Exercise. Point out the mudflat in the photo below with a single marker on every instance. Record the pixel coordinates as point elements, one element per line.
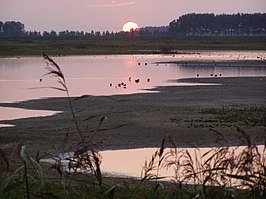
<point>191,115</point>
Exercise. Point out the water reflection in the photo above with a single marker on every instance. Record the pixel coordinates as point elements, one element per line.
<point>225,71</point>
<point>92,75</point>
<point>6,125</point>
<point>8,113</point>
<point>222,166</point>
<point>130,162</point>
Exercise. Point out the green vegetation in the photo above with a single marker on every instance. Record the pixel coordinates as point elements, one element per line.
<point>125,45</point>
<point>225,116</point>
<point>243,115</point>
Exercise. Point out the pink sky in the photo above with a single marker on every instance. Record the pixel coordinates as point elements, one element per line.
<point>110,15</point>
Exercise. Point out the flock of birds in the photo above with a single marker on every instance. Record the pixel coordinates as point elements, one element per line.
<point>124,85</point>
<point>220,75</point>
<point>261,58</point>
<point>213,75</point>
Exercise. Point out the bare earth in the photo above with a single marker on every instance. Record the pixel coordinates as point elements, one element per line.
<point>145,119</point>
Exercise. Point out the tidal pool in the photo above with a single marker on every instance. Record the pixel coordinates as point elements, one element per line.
<point>130,162</point>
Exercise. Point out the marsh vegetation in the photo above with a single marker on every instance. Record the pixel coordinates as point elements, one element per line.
<point>126,45</point>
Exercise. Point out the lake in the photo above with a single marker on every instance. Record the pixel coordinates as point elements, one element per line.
<point>92,75</point>
<point>22,78</point>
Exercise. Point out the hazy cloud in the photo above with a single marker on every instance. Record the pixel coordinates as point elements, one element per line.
<point>111,4</point>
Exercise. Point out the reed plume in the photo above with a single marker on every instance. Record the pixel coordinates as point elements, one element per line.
<point>55,71</point>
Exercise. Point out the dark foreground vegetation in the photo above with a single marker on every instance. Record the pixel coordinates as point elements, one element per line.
<point>223,174</point>
<point>125,45</point>
<point>219,173</point>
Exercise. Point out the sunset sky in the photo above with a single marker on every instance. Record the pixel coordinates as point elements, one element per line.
<point>101,15</point>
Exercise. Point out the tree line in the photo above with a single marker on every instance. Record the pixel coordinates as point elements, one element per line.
<point>186,25</point>
<point>17,29</point>
<point>11,29</point>
<point>219,25</point>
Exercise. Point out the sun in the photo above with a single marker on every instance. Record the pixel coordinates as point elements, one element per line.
<point>130,27</point>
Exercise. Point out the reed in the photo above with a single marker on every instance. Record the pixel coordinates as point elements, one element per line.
<point>86,156</point>
<point>55,71</point>
<point>215,172</point>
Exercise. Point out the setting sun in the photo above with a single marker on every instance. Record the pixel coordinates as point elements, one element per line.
<point>130,27</point>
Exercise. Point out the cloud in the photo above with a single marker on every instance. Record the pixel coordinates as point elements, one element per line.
<point>111,4</point>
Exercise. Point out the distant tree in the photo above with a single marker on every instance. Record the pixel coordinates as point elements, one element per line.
<point>154,31</point>
<point>97,33</point>
<point>53,33</point>
<point>12,29</point>
<point>62,34</point>
<point>33,34</point>
<point>72,34</point>
<point>45,34</point>
<point>224,25</point>
<point>112,34</point>
<point>1,28</point>
<point>107,33</point>
<point>81,34</point>
<point>87,34</point>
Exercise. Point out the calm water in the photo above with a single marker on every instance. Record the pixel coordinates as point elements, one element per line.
<point>130,162</point>
<point>8,113</point>
<point>92,75</point>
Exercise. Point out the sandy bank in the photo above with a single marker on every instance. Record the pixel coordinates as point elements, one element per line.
<point>144,119</point>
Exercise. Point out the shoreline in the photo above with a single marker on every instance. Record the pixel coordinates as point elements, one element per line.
<point>219,63</point>
<point>149,52</point>
<point>145,119</point>
<point>127,45</point>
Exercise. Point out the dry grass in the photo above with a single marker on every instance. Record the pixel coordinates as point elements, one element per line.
<point>214,172</point>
